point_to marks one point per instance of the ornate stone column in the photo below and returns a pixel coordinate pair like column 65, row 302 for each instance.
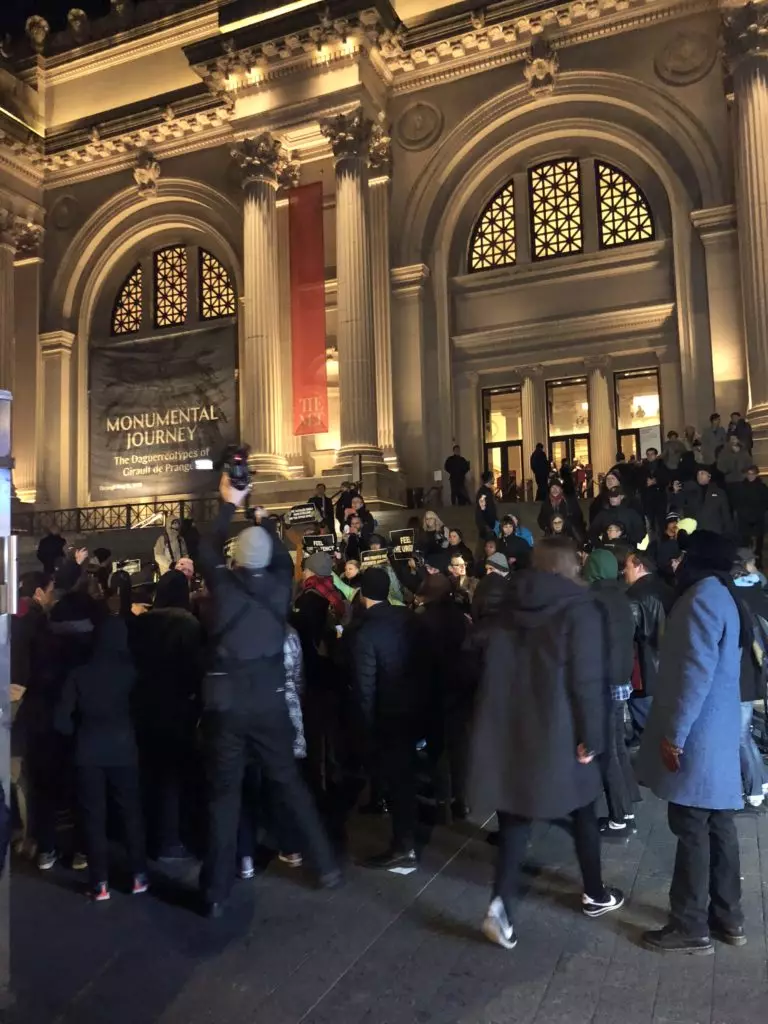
column 18, row 237
column 746, row 38
column 263, row 163
column 379, row 186
column 602, row 435
column 534, row 409
column 349, row 135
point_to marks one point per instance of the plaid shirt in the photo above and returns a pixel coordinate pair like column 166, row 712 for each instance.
column 623, row 692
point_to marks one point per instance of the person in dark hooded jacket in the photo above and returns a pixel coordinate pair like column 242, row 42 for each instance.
column 95, row 705
column 442, row 628
column 244, row 709
column 601, row 572
column 167, row 645
column 540, row 724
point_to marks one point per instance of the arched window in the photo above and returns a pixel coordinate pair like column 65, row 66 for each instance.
column 164, row 286
column 624, row 212
column 217, row 296
column 555, row 193
column 555, row 213
column 126, row 312
column 493, row 240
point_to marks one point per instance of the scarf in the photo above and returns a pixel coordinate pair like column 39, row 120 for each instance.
column 324, row 586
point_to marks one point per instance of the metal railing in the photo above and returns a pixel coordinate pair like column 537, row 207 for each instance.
column 114, row 517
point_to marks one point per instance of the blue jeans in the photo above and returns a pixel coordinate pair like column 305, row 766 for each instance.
column 753, row 773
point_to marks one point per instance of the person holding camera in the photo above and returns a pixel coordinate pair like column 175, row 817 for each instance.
column 244, row 709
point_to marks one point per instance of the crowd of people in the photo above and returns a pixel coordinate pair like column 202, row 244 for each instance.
column 243, row 700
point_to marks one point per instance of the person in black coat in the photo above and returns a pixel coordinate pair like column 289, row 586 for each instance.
column 456, row 546
column 344, row 501
column 442, row 629
column 486, row 516
column 510, row 543
column 167, row 644
column 651, row 600
column 95, row 705
column 601, row 572
column 50, row 550
column 707, row 503
column 557, row 504
column 457, row 467
column 748, row 586
column 540, row 470
column 244, row 708
column 618, row 512
column 324, row 506
column 750, row 504
column 653, row 478
column 540, row 725
column 390, row 691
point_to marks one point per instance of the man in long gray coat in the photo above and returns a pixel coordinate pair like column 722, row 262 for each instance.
column 541, row 720
column 689, row 754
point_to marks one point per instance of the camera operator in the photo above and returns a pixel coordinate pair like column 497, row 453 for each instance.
column 245, row 712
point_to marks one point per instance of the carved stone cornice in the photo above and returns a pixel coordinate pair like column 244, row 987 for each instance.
column 20, row 233
column 542, row 66
column 380, row 149
column 349, row 135
column 745, row 32
column 468, row 43
column 263, row 159
column 147, row 173
column 233, row 68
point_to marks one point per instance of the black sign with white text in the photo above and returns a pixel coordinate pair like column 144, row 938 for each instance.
column 156, row 405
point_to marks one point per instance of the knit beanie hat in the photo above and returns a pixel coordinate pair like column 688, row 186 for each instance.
column 319, row 563
column 374, row 584
column 498, row 561
column 601, row 565
column 710, row 551
column 253, row 548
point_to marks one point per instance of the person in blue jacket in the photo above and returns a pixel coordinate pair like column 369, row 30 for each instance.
column 689, row 754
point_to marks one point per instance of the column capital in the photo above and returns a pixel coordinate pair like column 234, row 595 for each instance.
column 534, row 372
column 597, row 362
column 348, row 134
column 21, row 234
column 745, row 31
column 380, row 148
column 263, row 159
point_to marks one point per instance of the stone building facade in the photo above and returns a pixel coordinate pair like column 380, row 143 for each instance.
column 543, row 222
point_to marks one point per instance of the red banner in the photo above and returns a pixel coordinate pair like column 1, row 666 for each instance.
column 310, row 382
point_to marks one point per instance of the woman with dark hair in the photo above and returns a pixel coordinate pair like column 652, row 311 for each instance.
column 557, row 503
column 457, row 545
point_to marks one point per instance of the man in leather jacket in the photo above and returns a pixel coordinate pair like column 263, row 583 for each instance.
column 651, row 600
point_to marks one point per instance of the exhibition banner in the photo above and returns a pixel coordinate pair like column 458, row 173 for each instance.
column 156, row 405
column 307, row 256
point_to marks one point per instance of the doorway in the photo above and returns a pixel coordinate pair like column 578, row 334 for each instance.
column 571, row 447
column 505, row 461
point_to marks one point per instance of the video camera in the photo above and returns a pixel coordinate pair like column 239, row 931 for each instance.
column 233, row 462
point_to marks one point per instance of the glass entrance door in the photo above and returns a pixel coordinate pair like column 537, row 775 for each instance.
column 505, row 461
column 571, row 447
column 629, row 444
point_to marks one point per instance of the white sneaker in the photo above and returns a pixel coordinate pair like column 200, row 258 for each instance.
column 247, row 869
column 496, row 926
column 593, row 908
column 765, row 789
column 755, row 801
